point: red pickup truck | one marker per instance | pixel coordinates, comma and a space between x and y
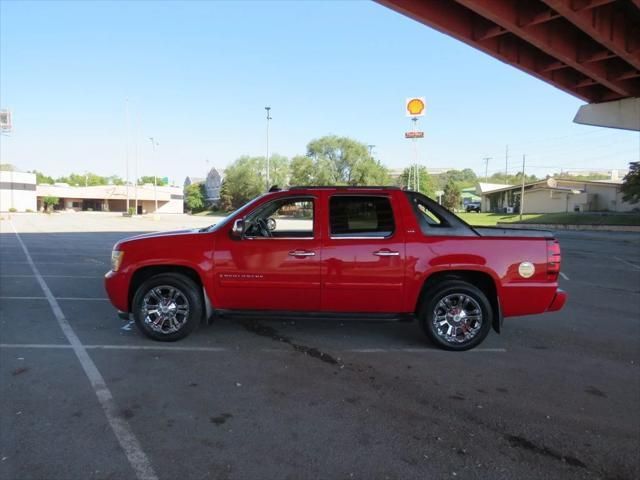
345, 252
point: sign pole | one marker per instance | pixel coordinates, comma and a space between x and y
414, 108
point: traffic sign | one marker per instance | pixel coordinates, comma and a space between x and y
414, 134
415, 106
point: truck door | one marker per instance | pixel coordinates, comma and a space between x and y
363, 255
275, 265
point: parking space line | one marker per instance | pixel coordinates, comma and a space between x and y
50, 276
563, 275
627, 263
90, 262
127, 439
81, 299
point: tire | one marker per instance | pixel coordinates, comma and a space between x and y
179, 296
441, 319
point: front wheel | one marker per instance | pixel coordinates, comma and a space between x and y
167, 307
456, 316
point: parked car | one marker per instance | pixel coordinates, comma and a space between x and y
343, 253
472, 207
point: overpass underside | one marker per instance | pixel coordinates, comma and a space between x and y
588, 48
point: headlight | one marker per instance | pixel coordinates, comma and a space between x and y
116, 259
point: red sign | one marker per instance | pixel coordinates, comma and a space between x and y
414, 134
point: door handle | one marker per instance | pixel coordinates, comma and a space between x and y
386, 253
301, 253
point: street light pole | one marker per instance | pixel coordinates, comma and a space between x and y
153, 166
268, 109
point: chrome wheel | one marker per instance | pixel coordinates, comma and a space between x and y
457, 318
165, 309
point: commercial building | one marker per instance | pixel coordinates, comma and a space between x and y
554, 196
17, 191
113, 198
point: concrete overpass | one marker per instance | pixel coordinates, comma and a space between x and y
588, 48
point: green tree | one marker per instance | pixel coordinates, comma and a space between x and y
631, 184
149, 179
344, 161
226, 199
42, 178
244, 179
427, 185
451, 198
115, 180
84, 179
301, 171
511, 179
194, 197
7, 167
278, 170
50, 202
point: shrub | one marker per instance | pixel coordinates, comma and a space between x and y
49, 201
28, 210
13, 210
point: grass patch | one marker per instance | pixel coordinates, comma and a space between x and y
489, 219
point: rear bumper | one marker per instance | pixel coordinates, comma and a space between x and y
558, 301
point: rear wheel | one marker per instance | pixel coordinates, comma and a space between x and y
167, 307
456, 315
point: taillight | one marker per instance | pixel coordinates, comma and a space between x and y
553, 259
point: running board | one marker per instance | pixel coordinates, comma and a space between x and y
330, 316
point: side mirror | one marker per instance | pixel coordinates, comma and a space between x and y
238, 228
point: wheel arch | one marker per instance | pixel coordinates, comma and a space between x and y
481, 279
144, 273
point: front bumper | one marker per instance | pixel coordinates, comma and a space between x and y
117, 286
558, 301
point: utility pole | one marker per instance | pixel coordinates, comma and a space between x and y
370, 147
522, 190
506, 162
268, 109
126, 148
153, 167
486, 167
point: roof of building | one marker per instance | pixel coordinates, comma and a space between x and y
491, 187
111, 192
558, 184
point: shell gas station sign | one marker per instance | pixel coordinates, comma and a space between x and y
415, 107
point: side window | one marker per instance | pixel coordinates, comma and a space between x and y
284, 218
360, 216
428, 219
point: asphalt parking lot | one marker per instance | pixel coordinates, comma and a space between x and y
553, 396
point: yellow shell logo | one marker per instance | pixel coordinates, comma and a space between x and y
415, 106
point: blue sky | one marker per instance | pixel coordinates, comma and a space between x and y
197, 76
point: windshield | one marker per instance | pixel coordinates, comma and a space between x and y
214, 227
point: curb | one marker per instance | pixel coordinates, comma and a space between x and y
559, 226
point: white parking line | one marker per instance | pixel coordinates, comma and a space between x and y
564, 276
9, 275
128, 441
79, 299
627, 263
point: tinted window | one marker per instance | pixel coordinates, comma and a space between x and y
352, 216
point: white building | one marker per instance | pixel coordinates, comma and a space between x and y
113, 198
17, 191
556, 195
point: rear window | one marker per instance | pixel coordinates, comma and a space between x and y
360, 216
